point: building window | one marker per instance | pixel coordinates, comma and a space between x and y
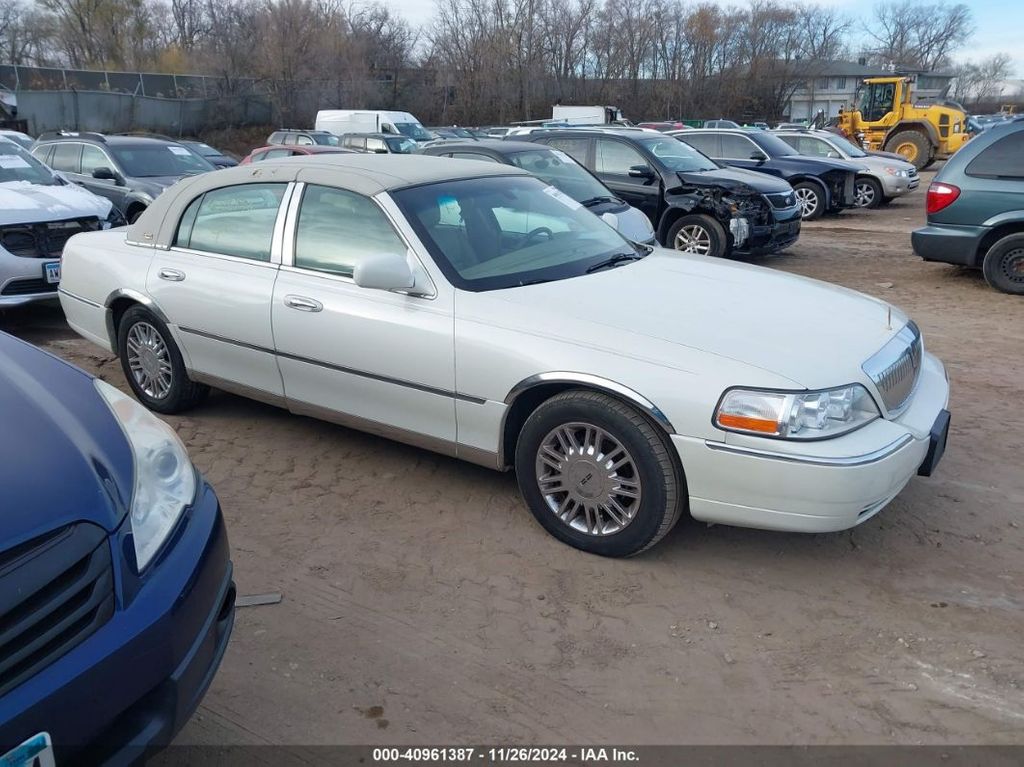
822, 84
840, 83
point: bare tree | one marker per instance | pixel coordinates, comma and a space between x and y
911, 34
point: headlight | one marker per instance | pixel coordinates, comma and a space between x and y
165, 482
114, 218
796, 415
898, 172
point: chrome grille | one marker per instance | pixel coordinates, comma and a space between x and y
895, 368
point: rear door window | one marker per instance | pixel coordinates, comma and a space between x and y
576, 148
67, 157
705, 143
233, 221
1003, 159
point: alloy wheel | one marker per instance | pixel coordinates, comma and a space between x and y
693, 238
149, 360
588, 479
808, 200
863, 194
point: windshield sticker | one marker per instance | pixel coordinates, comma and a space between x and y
13, 161
180, 150
562, 197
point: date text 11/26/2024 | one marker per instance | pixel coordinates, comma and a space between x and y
496, 755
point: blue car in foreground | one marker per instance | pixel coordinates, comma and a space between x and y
116, 591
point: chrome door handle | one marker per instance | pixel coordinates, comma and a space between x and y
303, 304
172, 275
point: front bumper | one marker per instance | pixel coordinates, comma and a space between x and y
132, 685
896, 186
815, 487
948, 243
22, 281
779, 235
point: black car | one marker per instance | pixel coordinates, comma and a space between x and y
693, 203
821, 185
130, 171
301, 137
214, 156
560, 171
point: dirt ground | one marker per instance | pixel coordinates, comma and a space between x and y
423, 605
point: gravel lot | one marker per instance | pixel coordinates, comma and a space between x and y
422, 603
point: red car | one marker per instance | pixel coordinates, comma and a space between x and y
666, 126
277, 150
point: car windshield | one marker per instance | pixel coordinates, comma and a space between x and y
677, 156
325, 139
771, 144
560, 170
415, 131
401, 145
205, 149
504, 232
18, 165
152, 160
847, 146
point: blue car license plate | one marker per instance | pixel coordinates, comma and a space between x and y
37, 751
51, 271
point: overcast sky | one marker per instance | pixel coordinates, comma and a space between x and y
1000, 23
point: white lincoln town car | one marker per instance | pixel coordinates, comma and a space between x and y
470, 309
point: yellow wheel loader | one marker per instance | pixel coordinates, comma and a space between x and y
887, 119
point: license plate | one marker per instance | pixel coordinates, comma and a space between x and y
51, 270
936, 444
37, 751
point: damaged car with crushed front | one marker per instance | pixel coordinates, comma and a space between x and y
694, 204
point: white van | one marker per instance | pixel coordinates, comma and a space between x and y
342, 121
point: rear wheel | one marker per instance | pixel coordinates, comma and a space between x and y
1003, 266
598, 475
153, 365
867, 193
913, 146
698, 233
811, 199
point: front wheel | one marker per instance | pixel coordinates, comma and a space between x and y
698, 233
811, 199
867, 193
153, 365
598, 475
1003, 266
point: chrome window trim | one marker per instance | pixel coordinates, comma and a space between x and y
854, 460
224, 257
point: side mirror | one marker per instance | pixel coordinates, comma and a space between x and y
641, 171
105, 174
380, 151
384, 271
758, 157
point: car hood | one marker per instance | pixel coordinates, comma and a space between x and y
802, 163
879, 164
63, 456
737, 180
25, 203
806, 331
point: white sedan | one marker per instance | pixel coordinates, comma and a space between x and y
467, 308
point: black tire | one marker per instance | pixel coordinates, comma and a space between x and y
867, 193
134, 212
886, 200
181, 393
930, 163
1003, 266
922, 147
804, 191
652, 468
703, 228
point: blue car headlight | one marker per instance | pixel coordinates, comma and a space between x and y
165, 480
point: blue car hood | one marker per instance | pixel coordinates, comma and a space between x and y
63, 456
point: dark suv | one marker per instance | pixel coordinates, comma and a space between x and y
130, 171
821, 185
976, 208
694, 204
